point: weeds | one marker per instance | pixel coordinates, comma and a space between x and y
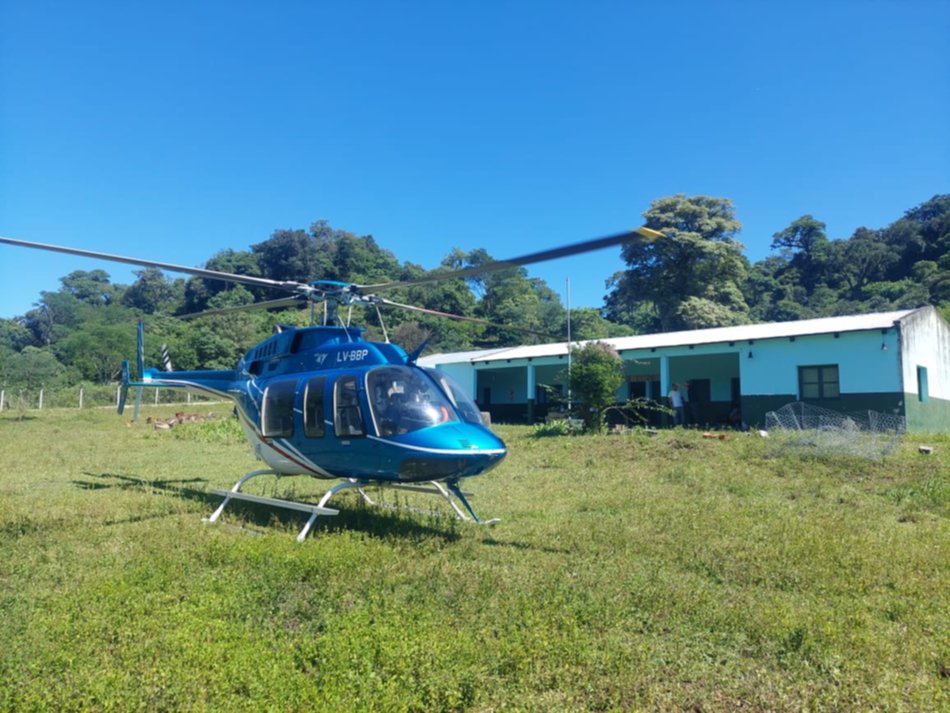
657, 572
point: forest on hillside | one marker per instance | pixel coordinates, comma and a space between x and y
695, 277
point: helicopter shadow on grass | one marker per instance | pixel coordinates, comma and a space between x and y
516, 545
377, 521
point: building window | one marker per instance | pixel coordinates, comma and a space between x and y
818, 382
923, 389
277, 416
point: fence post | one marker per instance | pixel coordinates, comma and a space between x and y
41, 399
156, 396
2, 394
80, 396
118, 391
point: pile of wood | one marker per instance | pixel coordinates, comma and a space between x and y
163, 424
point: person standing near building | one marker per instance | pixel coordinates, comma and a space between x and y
677, 404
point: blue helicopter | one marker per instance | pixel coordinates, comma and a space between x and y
323, 401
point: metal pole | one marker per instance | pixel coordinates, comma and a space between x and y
569, 396
2, 394
80, 396
41, 399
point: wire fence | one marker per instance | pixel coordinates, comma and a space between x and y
88, 396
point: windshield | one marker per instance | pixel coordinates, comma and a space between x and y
404, 400
463, 403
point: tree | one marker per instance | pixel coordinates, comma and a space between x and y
804, 235
32, 369
588, 323
806, 247
54, 316
97, 350
691, 275
510, 297
199, 291
89, 286
152, 292
14, 335
596, 374
292, 255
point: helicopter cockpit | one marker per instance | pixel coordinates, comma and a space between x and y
403, 400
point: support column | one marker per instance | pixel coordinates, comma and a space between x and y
531, 388
664, 385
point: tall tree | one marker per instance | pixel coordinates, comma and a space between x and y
293, 255
199, 292
690, 278
805, 245
152, 292
90, 286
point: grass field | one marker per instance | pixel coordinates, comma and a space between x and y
628, 573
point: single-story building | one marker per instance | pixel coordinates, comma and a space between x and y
891, 362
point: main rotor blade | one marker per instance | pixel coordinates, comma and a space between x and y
412, 308
530, 259
196, 271
270, 304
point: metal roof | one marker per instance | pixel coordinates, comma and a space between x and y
745, 332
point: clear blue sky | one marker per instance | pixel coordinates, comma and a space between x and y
174, 130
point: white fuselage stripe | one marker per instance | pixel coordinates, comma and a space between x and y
439, 451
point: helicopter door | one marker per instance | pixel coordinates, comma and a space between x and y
313, 418
352, 455
347, 415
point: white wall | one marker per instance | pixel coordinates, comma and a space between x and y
926, 342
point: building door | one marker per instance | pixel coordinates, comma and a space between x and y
699, 398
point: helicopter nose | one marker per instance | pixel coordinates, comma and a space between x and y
452, 451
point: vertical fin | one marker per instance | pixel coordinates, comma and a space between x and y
124, 387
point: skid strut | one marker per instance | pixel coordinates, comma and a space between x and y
433, 487
235, 494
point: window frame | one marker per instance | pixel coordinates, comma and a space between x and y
338, 386
923, 384
314, 424
822, 382
276, 393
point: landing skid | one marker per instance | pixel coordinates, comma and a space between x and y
446, 490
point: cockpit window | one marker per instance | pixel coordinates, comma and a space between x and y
466, 407
404, 400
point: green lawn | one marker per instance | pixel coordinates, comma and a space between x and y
629, 572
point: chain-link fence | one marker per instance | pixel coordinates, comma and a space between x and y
88, 396
805, 428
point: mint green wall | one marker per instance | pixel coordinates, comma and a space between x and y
709, 362
462, 373
863, 367
930, 417
507, 384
